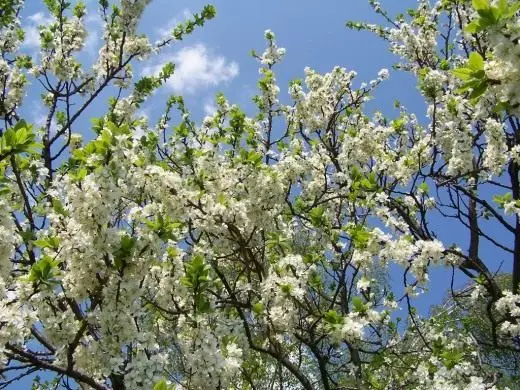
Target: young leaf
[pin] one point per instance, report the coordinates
(480, 4)
(476, 62)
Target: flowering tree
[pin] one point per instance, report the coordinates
(252, 252)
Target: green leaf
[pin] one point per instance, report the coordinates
(369, 183)
(197, 273)
(502, 6)
(474, 77)
(444, 65)
(161, 386)
(476, 62)
(512, 11)
(462, 73)
(49, 242)
(452, 106)
(127, 243)
(202, 303)
(79, 174)
(28, 235)
(424, 187)
(124, 251)
(359, 236)
(4, 185)
(44, 271)
(473, 27)
(480, 279)
(277, 240)
(480, 4)
(317, 216)
(164, 227)
(332, 317)
(501, 200)
(250, 157)
(58, 208)
(97, 124)
(358, 305)
(17, 139)
(487, 16)
(315, 281)
(79, 9)
(451, 358)
(375, 383)
(258, 308)
(478, 90)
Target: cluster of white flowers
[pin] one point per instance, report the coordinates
(8, 238)
(496, 154)
(272, 53)
(10, 38)
(60, 40)
(12, 78)
(418, 256)
(120, 36)
(315, 109)
(125, 109)
(503, 69)
(210, 363)
(16, 319)
(131, 11)
(416, 42)
(433, 85)
(509, 305)
(286, 282)
(13, 82)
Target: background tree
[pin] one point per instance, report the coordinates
(467, 309)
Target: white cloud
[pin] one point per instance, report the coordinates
(40, 18)
(143, 113)
(32, 34)
(210, 108)
(92, 42)
(32, 37)
(196, 68)
(94, 27)
(167, 29)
